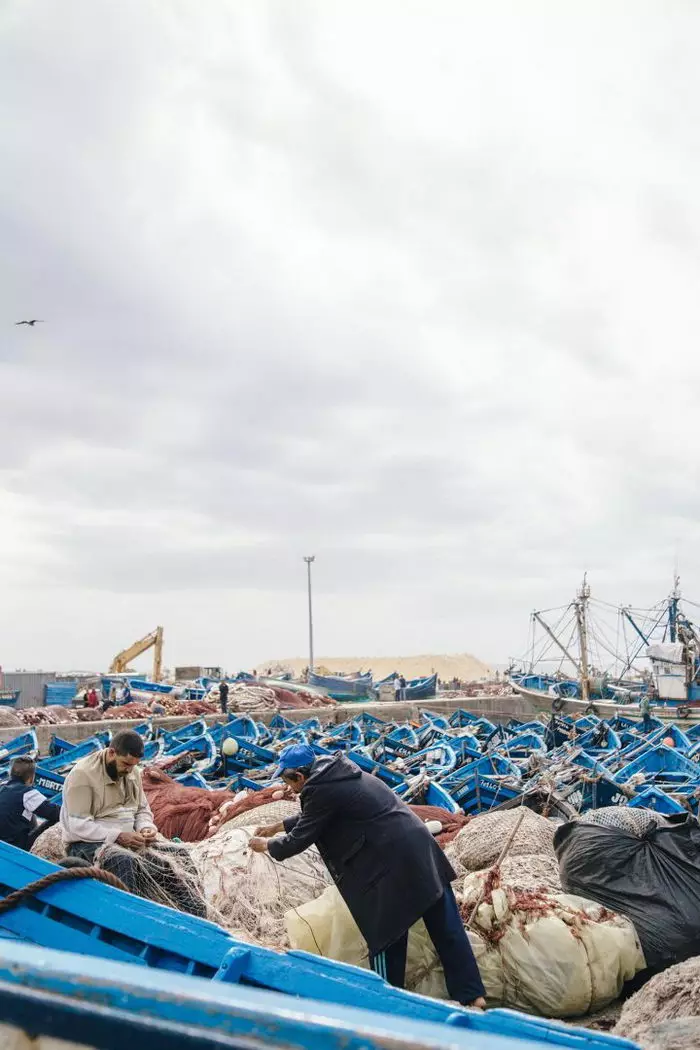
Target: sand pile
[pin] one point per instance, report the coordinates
(447, 666)
(665, 1013)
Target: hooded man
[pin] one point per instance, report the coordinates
(384, 861)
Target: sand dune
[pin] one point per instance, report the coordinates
(460, 665)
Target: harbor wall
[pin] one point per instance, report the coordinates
(497, 709)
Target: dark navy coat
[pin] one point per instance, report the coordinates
(386, 864)
(20, 804)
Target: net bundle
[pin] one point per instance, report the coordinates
(665, 1013)
(636, 821)
(479, 844)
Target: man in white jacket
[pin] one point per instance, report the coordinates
(105, 818)
(103, 800)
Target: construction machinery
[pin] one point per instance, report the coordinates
(154, 640)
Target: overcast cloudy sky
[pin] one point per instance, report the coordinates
(412, 287)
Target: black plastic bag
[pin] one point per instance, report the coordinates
(654, 880)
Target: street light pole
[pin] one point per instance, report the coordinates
(309, 559)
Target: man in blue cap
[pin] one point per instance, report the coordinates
(387, 866)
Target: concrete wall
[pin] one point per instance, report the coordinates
(497, 709)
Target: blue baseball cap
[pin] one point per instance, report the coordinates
(295, 756)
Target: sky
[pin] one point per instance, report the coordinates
(409, 287)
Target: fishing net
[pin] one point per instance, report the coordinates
(479, 844)
(531, 871)
(249, 892)
(163, 873)
(665, 1013)
(238, 810)
(178, 811)
(8, 718)
(547, 952)
(271, 813)
(452, 823)
(624, 818)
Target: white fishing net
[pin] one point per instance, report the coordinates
(250, 892)
(272, 813)
(531, 871)
(665, 1013)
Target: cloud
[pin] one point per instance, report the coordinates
(414, 293)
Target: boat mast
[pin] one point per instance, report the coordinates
(582, 621)
(673, 608)
(552, 635)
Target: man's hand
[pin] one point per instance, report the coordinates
(131, 840)
(258, 845)
(149, 835)
(268, 830)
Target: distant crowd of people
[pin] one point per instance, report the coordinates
(117, 697)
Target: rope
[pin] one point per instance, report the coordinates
(13, 900)
(498, 863)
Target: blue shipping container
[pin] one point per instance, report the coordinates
(60, 693)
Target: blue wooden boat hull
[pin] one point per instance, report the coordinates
(110, 1005)
(348, 689)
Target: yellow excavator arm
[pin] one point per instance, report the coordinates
(121, 661)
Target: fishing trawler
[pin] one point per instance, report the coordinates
(574, 665)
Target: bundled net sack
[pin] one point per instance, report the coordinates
(324, 926)
(49, 845)
(539, 951)
(179, 811)
(665, 1013)
(531, 871)
(550, 953)
(479, 844)
(634, 820)
(648, 870)
(250, 892)
(8, 718)
(245, 698)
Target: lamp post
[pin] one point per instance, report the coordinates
(309, 559)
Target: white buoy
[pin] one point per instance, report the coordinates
(230, 746)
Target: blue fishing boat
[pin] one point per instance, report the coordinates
(106, 1004)
(24, 744)
(343, 689)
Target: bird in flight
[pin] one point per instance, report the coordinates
(31, 323)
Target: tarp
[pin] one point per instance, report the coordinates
(652, 876)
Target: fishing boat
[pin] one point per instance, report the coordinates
(342, 688)
(104, 969)
(574, 665)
